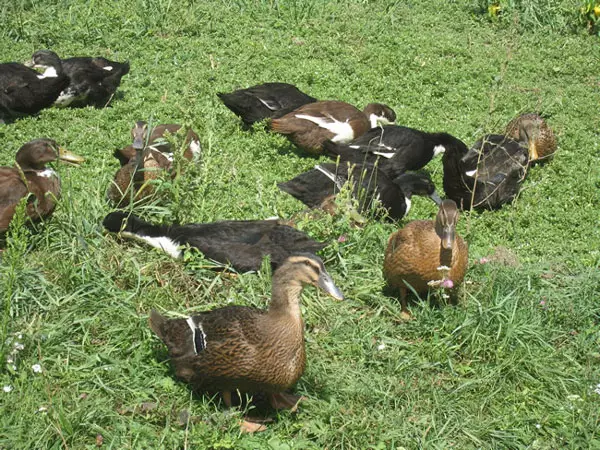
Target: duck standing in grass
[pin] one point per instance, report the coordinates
(318, 188)
(533, 131)
(239, 348)
(92, 81)
(146, 159)
(241, 243)
(486, 176)
(393, 148)
(32, 176)
(311, 125)
(24, 91)
(426, 253)
(264, 101)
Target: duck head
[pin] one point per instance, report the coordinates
(138, 134)
(306, 268)
(417, 184)
(46, 60)
(34, 155)
(533, 130)
(445, 223)
(379, 114)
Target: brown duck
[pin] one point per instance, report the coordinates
(533, 130)
(310, 125)
(32, 176)
(146, 159)
(417, 254)
(248, 349)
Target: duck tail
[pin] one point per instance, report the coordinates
(157, 322)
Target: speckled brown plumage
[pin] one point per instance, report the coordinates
(245, 348)
(533, 130)
(31, 176)
(310, 135)
(415, 253)
(156, 158)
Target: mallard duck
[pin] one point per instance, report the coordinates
(32, 176)
(317, 187)
(241, 243)
(309, 126)
(395, 149)
(264, 101)
(425, 252)
(486, 176)
(532, 130)
(92, 81)
(146, 159)
(24, 91)
(239, 348)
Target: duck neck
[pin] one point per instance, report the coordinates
(285, 298)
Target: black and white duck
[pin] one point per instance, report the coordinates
(318, 188)
(25, 91)
(394, 148)
(241, 243)
(486, 176)
(92, 81)
(264, 101)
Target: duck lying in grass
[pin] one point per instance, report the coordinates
(264, 101)
(395, 149)
(426, 253)
(241, 243)
(92, 81)
(239, 348)
(309, 126)
(31, 175)
(146, 159)
(533, 131)
(486, 176)
(24, 91)
(318, 188)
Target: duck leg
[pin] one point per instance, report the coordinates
(405, 314)
(284, 400)
(246, 426)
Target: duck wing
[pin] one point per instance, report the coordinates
(12, 190)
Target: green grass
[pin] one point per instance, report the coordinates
(501, 370)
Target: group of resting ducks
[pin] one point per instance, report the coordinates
(245, 349)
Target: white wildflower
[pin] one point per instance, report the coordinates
(573, 397)
(14, 367)
(19, 346)
(9, 360)
(381, 346)
(597, 390)
(538, 426)
(36, 368)
(7, 388)
(42, 409)
(19, 336)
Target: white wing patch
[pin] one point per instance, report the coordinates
(408, 205)
(471, 173)
(438, 149)
(109, 68)
(50, 72)
(342, 130)
(384, 154)
(329, 175)
(377, 121)
(162, 242)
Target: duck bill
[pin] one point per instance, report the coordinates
(138, 142)
(327, 284)
(533, 154)
(448, 237)
(436, 198)
(67, 156)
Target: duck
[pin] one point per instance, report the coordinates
(264, 101)
(426, 253)
(147, 158)
(310, 125)
(486, 176)
(318, 188)
(246, 349)
(25, 91)
(395, 149)
(92, 81)
(241, 244)
(31, 175)
(534, 132)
